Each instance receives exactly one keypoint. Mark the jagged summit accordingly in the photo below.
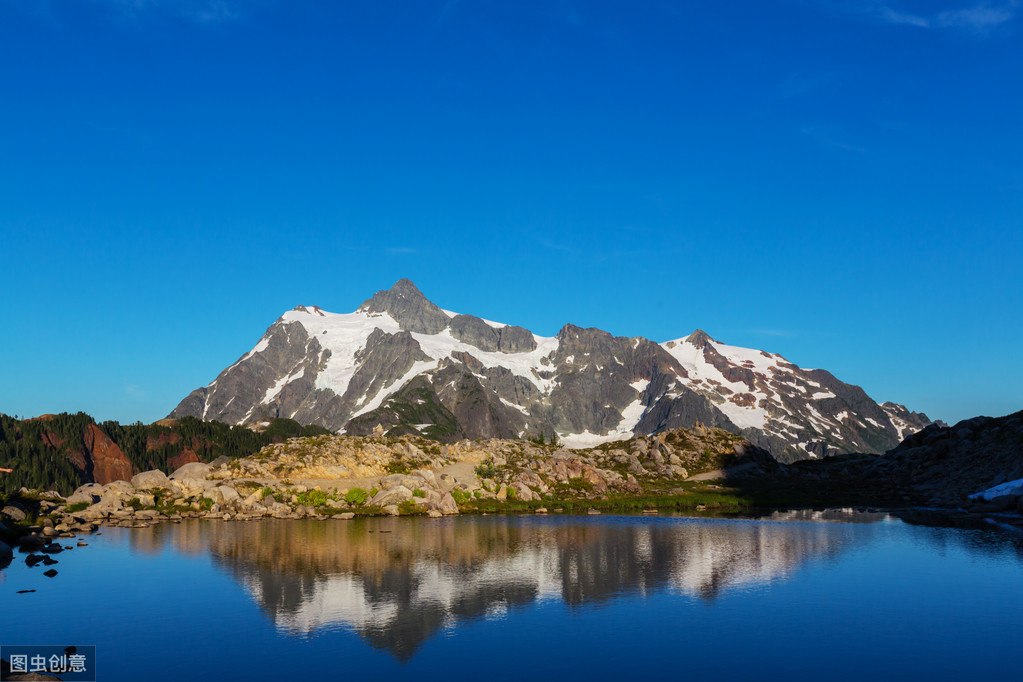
(699, 339)
(402, 362)
(409, 307)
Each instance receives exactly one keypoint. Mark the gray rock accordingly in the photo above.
(191, 470)
(13, 513)
(225, 496)
(148, 480)
(88, 493)
(146, 500)
(447, 504)
(522, 492)
(393, 496)
(391, 509)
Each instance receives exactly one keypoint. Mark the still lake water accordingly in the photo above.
(850, 596)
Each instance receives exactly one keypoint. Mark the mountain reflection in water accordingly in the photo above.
(398, 581)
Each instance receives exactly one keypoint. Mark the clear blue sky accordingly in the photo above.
(837, 181)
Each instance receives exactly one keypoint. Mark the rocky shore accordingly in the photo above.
(338, 477)
(342, 477)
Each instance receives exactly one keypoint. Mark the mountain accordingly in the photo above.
(949, 463)
(401, 363)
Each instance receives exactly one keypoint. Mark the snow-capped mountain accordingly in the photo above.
(403, 363)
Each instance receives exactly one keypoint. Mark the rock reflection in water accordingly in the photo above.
(398, 581)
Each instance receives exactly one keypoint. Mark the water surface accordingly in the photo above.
(838, 596)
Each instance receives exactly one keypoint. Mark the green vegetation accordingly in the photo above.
(356, 496)
(418, 492)
(397, 467)
(461, 496)
(312, 498)
(486, 469)
(50, 453)
(415, 403)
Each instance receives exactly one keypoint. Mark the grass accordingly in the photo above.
(76, 507)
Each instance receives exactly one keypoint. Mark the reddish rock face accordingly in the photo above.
(51, 440)
(187, 456)
(163, 439)
(108, 462)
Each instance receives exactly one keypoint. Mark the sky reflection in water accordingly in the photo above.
(789, 597)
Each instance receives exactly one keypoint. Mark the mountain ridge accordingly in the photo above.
(399, 358)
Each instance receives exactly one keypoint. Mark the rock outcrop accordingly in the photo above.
(106, 462)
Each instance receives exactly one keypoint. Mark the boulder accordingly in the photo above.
(191, 470)
(13, 513)
(146, 500)
(394, 496)
(110, 501)
(253, 500)
(5, 550)
(447, 504)
(118, 487)
(88, 493)
(148, 480)
(522, 492)
(533, 480)
(426, 475)
(225, 496)
(391, 509)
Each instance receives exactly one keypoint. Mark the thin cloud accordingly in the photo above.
(982, 17)
(979, 18)
(196, 11)
(401, 249)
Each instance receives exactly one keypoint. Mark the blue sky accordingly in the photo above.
(837, 181)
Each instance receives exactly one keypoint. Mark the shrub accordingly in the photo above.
(314, 498)
(486, 469)
(461, 496)
(397, 468)
(76, 507)
(356, 496)
(418, 492)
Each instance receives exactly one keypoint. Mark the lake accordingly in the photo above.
(834, 595)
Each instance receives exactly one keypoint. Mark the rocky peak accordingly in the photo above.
(699, 338)
(409, 308)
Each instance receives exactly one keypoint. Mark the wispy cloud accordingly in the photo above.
(979, 18)
(200, 11)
